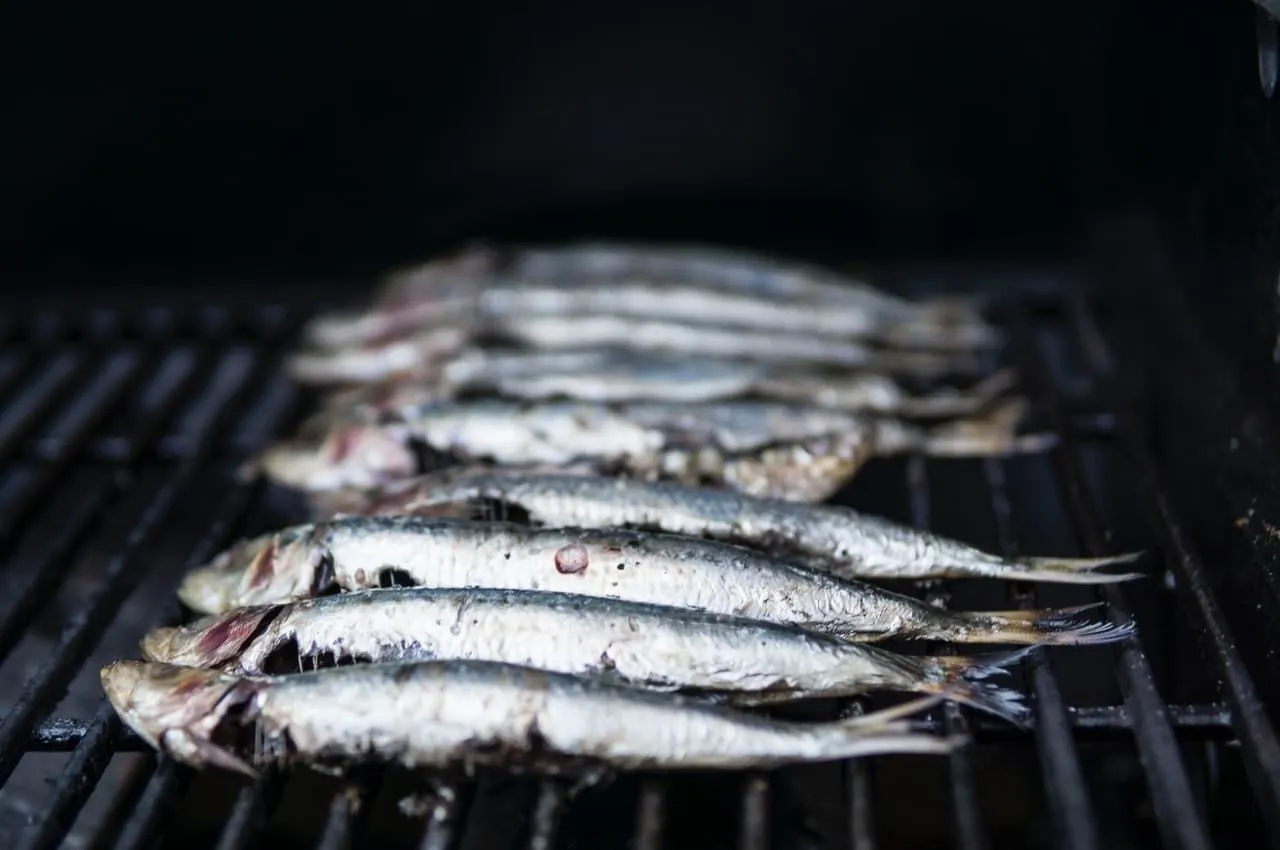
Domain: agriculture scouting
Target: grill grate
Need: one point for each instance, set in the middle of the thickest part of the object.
(119, 436)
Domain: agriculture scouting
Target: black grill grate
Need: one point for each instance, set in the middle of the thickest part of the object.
(119, 436)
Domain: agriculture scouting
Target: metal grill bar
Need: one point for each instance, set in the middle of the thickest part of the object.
(970, 831)
(1167, 777)
(443, 819)
(546, 815)
(755, 813)
(1069, 807)
(153, 807)
(650, 805)
(86, 626)
(1261, 750)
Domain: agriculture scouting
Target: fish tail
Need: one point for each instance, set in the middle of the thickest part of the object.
(1051, 626)
(961, 678)
(887, 732)
(992, 434)
(951, 402)
(1075, 570)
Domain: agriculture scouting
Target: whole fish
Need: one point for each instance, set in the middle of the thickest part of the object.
(581, 266)
(835, 539)
(359, 553)
(424, 349)
(468, 714)
(659, 301)
(605, 375)
(651, 646)
(753, 447)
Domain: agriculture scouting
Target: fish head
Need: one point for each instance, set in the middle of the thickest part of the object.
(209, 641)
(178, 709)
(264, 570)
(350, 454)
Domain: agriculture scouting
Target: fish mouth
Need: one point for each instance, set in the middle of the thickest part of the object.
(209, 641)
(213, 588)
(180, 710)
(350, 455)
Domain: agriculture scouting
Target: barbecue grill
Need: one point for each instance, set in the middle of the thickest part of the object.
(126, 405)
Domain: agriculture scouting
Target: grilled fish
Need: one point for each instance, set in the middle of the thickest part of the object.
(652, 646)
(721, 442)
(434, 714)
(358, 553)
(605, 375)
(422, 349)
(660, 301)
(835, 539)
(411, 296)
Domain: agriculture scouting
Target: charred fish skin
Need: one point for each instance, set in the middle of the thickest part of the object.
(433, 714)
(650, 646)
(358, 553)
(835, 539)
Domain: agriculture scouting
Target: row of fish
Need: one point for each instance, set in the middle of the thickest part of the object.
(626, 555)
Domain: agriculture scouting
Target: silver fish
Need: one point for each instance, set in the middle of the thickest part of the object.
(610, 375)
(835, 539)
(658, 301)
(445, 714)
(720, 442)
(652, 646)
(388, 357)
(358, 553)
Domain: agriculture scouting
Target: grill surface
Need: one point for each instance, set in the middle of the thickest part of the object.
(119, 435)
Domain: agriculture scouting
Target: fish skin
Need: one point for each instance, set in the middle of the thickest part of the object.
(660, 301)
(443, 714)
(606, 375)
(835, 539)
(422, 348)
(687, 442)
(651, 646)
(579, 267)
(356, 553)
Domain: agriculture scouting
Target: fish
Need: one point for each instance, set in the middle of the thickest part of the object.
(835, 539)
(469, 714)
(605, 375)
(600, 271)
(422, 349)
(660, 301)
(360, 553)
(763, 448)
(652, 646)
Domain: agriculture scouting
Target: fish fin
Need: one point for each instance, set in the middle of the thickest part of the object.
(1076, 570)
(1049, 626)
(960, 678)
(195, 750)
(992, 434)
(969, 402)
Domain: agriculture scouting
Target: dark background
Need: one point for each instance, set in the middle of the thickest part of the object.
(162, 144)
(341, 136)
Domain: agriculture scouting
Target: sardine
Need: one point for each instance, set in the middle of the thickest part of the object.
(585, 332)
(716, 442)
(660, 301)
(835, 539)
(582, 266)
(651, 646)
(359, 553)
(605, 375)
(468, 714)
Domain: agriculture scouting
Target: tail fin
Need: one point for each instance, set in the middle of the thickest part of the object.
(992, 434)
(955, 402)
(1045, 626)
(960, 678)
(1075, 570)
(885, 733)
